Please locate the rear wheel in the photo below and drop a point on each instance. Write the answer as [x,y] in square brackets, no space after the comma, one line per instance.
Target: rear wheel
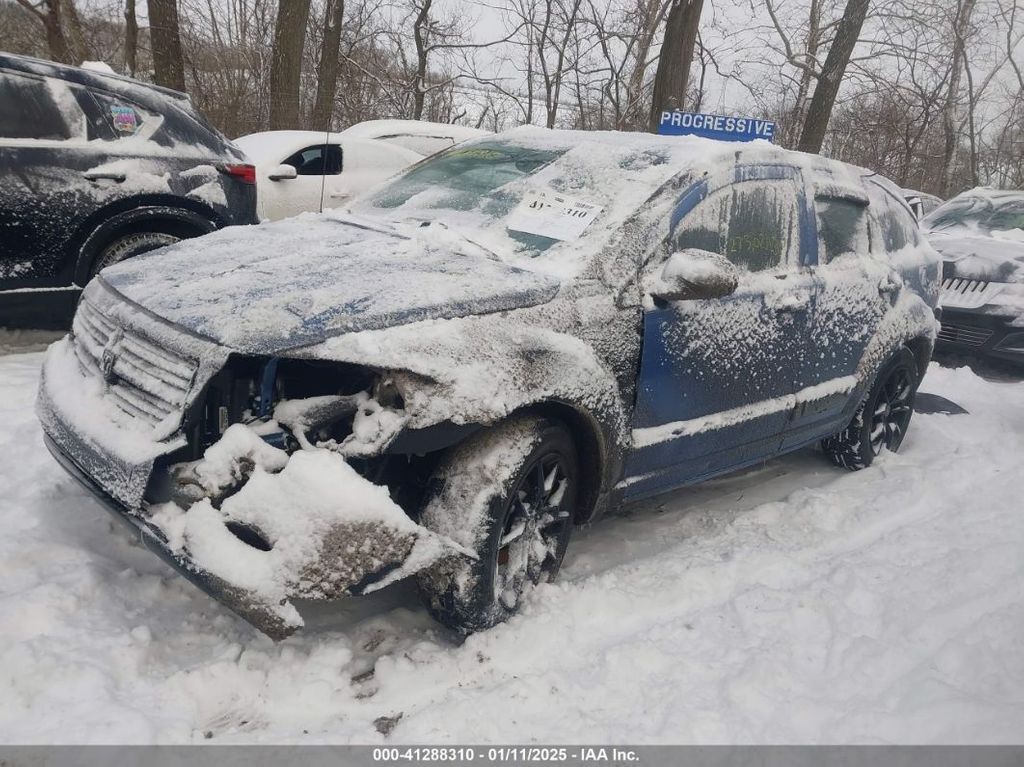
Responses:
[128,245]
[508,494]
[883,417]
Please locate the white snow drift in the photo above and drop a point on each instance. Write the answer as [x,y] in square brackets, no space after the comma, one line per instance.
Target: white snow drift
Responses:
[792,603]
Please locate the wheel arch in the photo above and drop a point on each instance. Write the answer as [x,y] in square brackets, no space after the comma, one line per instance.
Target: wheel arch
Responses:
[921,347]
[164,214]
[591,444]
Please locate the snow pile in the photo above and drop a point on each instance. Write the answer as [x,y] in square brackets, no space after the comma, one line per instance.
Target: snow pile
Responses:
[98,66]
[793,603]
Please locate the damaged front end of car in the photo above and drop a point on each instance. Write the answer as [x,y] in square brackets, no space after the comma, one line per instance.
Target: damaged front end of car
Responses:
[264,480]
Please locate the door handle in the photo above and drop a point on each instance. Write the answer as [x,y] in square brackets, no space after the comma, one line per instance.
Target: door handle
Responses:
[104,175]
[790,303]
[890,285]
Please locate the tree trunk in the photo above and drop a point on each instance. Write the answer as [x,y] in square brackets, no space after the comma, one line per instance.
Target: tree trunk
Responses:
[286,63]
[420,28]
[76,35]
[949,126]
[653,14]
[168,66]
[56,40]
[131,38]
[791,130]
[820,109]
[676,57]
[49,15]
[327,79]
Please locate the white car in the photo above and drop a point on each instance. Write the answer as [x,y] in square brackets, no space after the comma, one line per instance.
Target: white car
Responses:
[420,136]
[299,171]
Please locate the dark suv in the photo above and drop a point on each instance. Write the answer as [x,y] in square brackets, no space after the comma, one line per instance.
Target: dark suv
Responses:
[95,168]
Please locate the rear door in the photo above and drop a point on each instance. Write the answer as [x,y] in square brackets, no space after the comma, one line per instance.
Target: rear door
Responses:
[856,286]
[45,154]
[718,377]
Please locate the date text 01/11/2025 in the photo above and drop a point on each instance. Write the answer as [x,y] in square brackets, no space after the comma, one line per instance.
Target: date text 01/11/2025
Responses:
[505,754]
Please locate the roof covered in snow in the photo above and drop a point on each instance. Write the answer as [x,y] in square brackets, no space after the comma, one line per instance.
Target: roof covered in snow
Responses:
[376,129]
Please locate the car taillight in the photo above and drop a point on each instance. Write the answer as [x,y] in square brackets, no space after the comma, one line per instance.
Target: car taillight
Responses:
[244,173]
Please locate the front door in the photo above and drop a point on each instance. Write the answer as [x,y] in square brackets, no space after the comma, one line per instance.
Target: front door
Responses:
[317,169]
[718,377]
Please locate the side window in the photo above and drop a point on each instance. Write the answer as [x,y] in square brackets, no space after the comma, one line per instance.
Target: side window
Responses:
[315,161]
[39,108]
[125,118]
[753,223]
[892,226]
[842,227]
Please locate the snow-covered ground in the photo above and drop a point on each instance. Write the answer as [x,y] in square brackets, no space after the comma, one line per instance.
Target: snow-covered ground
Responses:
[791,604]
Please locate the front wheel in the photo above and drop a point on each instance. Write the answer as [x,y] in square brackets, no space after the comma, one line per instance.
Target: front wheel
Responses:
[129,245]
[882,418]
[509,494]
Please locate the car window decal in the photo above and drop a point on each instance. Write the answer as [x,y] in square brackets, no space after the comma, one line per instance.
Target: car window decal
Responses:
[125,118]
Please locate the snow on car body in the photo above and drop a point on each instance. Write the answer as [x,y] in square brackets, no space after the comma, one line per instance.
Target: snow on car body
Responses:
[516,335]
[980,234]
[299,171]
[96,168]
[420,136]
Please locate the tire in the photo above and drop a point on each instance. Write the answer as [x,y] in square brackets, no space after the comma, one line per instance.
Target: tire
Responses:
[510,495]
[129,245]
[882,418]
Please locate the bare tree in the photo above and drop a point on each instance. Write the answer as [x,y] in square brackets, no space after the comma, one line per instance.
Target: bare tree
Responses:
[327,73]
[830,78]
[675,60]
[165,36]
[131,37]
[55,15]
[286,63]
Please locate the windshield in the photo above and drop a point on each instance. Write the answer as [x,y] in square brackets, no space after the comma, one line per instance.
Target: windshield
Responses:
[470,180]
[981,214]
[540,200]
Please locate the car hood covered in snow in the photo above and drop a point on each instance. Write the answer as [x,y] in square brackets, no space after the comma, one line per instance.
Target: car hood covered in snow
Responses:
[298,282]
[978,257]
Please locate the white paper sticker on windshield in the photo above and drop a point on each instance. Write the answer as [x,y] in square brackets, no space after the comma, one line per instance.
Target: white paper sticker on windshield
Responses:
[552,215]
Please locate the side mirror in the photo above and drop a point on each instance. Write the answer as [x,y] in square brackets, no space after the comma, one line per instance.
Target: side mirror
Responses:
[696,274]
[283,173]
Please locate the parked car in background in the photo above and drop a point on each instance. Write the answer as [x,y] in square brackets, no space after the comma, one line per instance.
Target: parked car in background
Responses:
[447,377]
[980,235]
[921,203]
[424,138]
[313,171]
[94,169]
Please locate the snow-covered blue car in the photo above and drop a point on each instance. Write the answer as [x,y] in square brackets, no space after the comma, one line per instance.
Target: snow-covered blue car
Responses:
[509,339]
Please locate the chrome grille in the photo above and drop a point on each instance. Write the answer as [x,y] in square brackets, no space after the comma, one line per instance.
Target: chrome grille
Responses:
[967,294]
[145,381]
[963,334]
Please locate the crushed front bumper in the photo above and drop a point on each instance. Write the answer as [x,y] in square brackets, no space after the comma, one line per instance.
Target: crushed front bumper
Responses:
[153,539]
[117,465]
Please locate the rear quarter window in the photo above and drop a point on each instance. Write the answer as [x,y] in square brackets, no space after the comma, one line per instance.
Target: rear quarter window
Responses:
[842,227]
[893,226]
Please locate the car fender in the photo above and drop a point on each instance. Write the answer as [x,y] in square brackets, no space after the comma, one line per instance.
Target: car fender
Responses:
[475,371]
